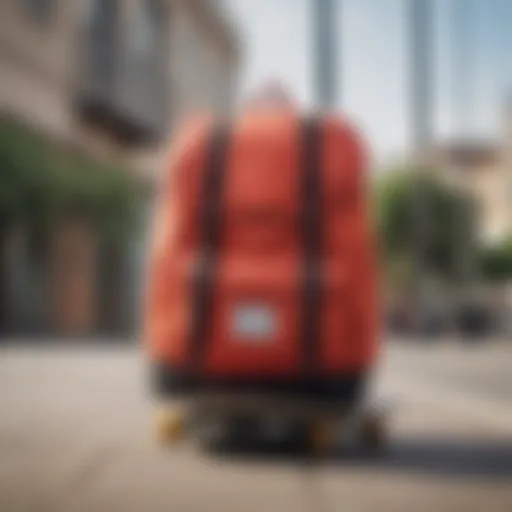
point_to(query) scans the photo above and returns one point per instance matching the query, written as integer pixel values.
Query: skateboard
(324, 429)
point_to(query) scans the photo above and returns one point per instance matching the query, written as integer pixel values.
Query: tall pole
(421, 75)
(462, 55)
(421, 111)
(324, 53)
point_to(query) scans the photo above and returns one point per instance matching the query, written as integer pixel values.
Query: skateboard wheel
(374, 433)
(321, 438)
(169, 426)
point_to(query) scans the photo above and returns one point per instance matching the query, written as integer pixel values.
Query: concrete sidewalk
(75, 435)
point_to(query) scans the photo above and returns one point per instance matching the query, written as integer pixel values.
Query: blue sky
(372, 59)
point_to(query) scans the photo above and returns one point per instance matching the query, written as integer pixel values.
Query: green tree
(495, 262)
(43, 183)
(394, 211)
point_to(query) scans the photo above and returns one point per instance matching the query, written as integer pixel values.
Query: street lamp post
(420, 26)
(324, 54)
(461, 97)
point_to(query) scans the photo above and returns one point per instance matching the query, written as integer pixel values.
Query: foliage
(43, 182)
(395, 211)
(495, 262)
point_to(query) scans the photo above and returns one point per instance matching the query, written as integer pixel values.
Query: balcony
(122, 77)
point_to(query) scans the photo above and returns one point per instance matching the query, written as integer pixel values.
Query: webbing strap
(209, 223)
(311, 237)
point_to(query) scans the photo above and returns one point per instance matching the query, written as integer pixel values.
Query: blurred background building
(481, 168)
(90, 91)
(467, 237)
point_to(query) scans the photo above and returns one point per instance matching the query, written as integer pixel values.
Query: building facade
(115, 76)
(482, 169)
(112, 78)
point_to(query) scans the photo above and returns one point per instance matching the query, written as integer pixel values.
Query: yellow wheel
(169, 426)
(321, 437)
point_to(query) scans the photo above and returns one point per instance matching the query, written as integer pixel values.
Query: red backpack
(262, 265)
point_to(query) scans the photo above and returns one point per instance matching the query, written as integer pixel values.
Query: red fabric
(260, 255)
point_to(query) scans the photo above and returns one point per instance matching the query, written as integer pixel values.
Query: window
(146, 28)
(101, 39)
(40, 10)
(102, 15)
(92, 11)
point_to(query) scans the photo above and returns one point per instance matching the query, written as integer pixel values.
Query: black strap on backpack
(311, 234)
(209, 227)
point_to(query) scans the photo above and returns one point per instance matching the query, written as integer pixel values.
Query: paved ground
(74, 436)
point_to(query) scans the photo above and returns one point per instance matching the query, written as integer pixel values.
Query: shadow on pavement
(419, 454)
